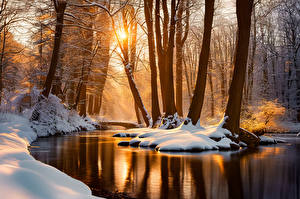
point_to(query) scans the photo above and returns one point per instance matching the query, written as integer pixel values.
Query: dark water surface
(95, 158)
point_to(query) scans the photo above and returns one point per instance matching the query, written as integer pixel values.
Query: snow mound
(21, 176)
(265, 140)
(188, 138)
(52, 115)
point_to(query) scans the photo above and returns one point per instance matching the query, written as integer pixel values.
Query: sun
(122, 34)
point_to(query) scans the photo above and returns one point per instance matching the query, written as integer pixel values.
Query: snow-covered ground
(185, 138)
(291, 126)
(21, 176)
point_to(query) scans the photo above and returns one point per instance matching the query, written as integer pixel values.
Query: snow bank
(188, 138)
(52, 115)
(21, 176)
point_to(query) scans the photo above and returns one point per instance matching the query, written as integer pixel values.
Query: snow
(170, 122)
(21, 176)
(290, 126)
(267, 140)
(54, 116)
(187, 138)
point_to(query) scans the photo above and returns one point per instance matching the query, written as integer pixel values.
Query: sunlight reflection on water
(94, 158)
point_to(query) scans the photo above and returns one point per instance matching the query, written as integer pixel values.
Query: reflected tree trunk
(234, 179)
(164, 168)
(197, 173)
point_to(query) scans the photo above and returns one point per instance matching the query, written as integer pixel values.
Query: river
(124, 172)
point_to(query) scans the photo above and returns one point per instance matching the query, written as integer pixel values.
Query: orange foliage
(264, 117)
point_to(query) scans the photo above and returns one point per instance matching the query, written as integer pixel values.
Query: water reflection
(95, 159)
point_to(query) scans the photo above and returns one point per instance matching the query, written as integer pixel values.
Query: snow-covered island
(186, 138)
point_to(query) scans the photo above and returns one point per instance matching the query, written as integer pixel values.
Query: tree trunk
(179, 57)
(57, 81)
(252, 58)
(211, 86)
(89, 54)
(1, 61)
(233, 108)
(161, 54)
(137, 113)
(170, 100)
(148, 9)
(136, 95)
(91, 104)
(187, 78)
(104, 60)
(60, 10)
(198, 98)
(128, 52)
(96, 109)
(82, 96)
(180, 39)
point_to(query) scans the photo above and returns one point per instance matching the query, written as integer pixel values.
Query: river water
(95, 158)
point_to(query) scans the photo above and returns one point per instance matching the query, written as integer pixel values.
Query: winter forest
(149, 98)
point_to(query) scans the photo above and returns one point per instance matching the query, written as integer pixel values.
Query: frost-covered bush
(11, 101)
(53, 116)
(170, 122)
(265, 116)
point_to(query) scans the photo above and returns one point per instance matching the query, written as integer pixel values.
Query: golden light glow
(220, 161)
(122, 34)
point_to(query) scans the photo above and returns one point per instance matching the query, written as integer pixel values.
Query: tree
(88, 56)
(180, 40)
(148, 10)
(233, 108)
(249, 87)
(198, 98)
(60, 6)
(290, 21)
(100, 71)
(165, 54)
(127, 46)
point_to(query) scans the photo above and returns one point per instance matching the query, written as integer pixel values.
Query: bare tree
(60, 6)
(198, 98)
(148, 11)
(233, 109)
(181, 37)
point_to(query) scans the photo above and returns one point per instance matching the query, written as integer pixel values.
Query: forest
(185, 75)
(154, 66)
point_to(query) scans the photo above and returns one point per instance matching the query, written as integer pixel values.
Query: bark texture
(233, 108)
(148, 9)
(198, 98)
(60, 7)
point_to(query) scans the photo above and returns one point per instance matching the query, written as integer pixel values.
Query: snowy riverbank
(21, 176)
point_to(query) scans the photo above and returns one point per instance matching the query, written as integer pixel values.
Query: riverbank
(21, 176)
